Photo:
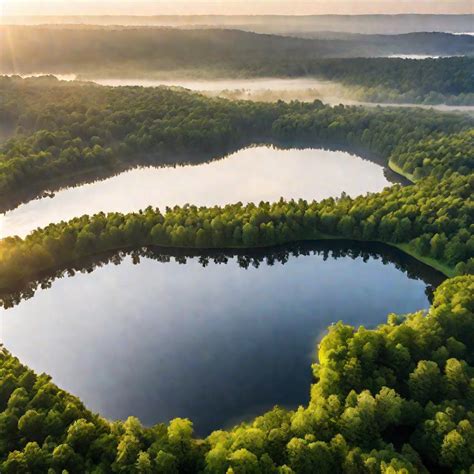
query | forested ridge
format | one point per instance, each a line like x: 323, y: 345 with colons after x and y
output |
x: 66, y: 129
x: 395, y: 399
x: 432, y: 219
x: 95, y: 52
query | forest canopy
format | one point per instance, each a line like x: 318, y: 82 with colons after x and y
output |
x: 395, y: 399
x: 62, y: 129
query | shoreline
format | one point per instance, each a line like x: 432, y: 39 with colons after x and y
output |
x: 396, y: 169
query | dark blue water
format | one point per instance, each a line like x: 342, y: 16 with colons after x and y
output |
x: 215, y: 342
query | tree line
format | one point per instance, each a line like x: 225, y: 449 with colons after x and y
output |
x: 244, y: 257
x: 431, y: 219
x: 397, y: 398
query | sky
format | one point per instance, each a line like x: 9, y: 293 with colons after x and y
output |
x: 230, y: 7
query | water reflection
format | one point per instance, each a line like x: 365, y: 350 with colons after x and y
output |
x: 213, y: 337
x: 260, y: 173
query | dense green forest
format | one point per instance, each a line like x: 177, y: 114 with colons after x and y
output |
x: 437, y: 155
x: 87, y: 126
x: 395, y: 399
x: 95, y: 52
x: 431, y: 219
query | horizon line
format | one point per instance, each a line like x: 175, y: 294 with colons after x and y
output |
x: 228, y: 15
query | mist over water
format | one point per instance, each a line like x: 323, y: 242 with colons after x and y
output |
x: 304, y: 89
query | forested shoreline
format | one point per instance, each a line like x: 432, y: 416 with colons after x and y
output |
x: 393, y: 216
x: 245, y: 257
x: 68, y: 129
x: 397, y: 398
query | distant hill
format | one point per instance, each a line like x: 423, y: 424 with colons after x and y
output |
x: 369, y: 24
x: 78, y: 49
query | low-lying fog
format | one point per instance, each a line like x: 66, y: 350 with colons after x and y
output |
x: 306, y: 89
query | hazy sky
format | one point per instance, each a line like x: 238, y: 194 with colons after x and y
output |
x: 230, y: 7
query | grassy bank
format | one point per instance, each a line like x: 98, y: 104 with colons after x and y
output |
x: 432, y: 262
x: 394, y: 167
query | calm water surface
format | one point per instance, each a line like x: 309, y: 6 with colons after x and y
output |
x: 249, y: 175
x: 216, y: 343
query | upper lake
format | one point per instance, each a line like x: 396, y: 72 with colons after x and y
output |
x: 254, y: 174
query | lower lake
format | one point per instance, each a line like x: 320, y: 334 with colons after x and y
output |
x: 216, y: 338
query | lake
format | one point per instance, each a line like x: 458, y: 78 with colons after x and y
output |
x: 420, y: 56
x: 214, y: 338
x: 261, y: 173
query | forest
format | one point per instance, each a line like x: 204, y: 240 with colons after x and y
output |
x: 61, y: 130
x: 93, y: 52
x: 397, y: 398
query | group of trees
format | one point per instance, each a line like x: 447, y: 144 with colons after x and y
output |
x: 395, y: 399
x: 437, y: 155
x: 124, y: 52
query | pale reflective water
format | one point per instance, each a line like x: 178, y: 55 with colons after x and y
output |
x: 213, y: 341
x: 420, y: 56
x: 255, y: 174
